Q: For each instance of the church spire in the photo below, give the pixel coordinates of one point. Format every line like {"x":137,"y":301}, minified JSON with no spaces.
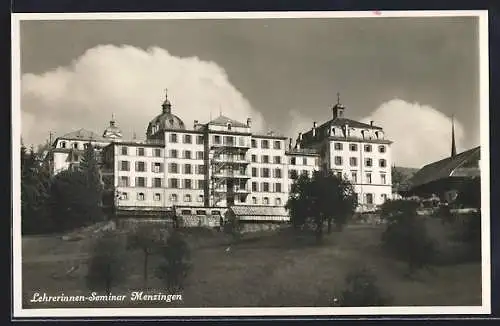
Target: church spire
{"x":453,"y":146}
{"x":167,"y":106}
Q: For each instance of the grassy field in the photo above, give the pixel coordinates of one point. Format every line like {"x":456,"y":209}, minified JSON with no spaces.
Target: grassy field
{"x":263,"y":271}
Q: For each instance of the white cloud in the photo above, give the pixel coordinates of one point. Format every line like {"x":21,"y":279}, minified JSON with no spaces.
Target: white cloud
{"x":130,"y":83}
{"x":421,"y":133}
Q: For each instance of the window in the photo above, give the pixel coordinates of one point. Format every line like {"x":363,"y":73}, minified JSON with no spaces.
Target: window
{"x":266,"y":201}
{"x":75,"y":145}
{"x":293,"y":161}
{"x":174,"y":183}
{"x":368,"y":162}
{"x":173,"y":168}
{"x":124,"y":166}
{"x":339,"y":175}
{"x":278,"y":201}
{"x":157,"y":182}
{"x":157,"y":167}
{"x":265,"y":173}
{"x":383,"y":197}
{"x":124,"y":196}
{"x":187,"y":198}
{"x":217,"y":139}
{"x":140,"y":182}
{"x":277,"y":187}
{"x":201,"y":168}
{"x":305,"y":172}
{"x":254,"y":143}
{"x":140,"y":196}
{"x":157,"y":197}
{"x":186,"y":212}
{"x":265,"y":158}
{"x":140,"y":166}
{"x":157,"y":152}
{"x":140,"y":151}
{"x":229,"y":140}
{"x":292,"y":174}
{"x":277,"y":173}
{"x":265,"y":186}
{"x":201,"y":184}
{"x":354,"y":177}
{"x":123,"y":182}
{"x":368,"y":178}
{"x":338,"y":146}
{"x":124,"y":149}
{"x":173,"y":153}
{"x":369,"y":199}
{"x":304,"y":161}
{"x":254,"y":158}
{"x":242,"y":198}
{"x":277,"y":144}
{"x":382,"y":163}
{"x":63,"y":145}
{"x":353,"y":161}
{"x":187,"y":154}
{"x":187,"y":169}
{"x":353,"y":147}
{"x":254,"y":172}
{"x":383,"y":179}
{"x":338,"y":160}
{"x":368,"y":148}
{"x":187,"y":139}
{"x":201,"y":212}
{"x":199,"y":155}
{"x":254,"y":187}
{"x":173,"y":138}
{"x":187,"y":183}
{"x":381,"y":149}
{"x":199,"y":140}
{"x":85,"y":146}
{"x":264,"y":144}
{"x":277,"y":160}
{"x":229,"y":126}
{"x":173,"y":198}
{"x":254,"y":200}
{"x":200,"y":198}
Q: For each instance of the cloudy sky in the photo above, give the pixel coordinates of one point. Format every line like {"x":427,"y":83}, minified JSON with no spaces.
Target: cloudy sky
{"x":409,"y":75}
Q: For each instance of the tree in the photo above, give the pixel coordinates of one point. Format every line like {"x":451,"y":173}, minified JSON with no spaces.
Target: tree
{"x":176,"y":263}
{"x":322,"y":198}
{"x":147,"y":238}
{"x":406,"y":235}
{"x":469,"y":194}
{"x":362,"y":290}
{"x":35,"y":183}
{"x":106,"y":265}
{"x":397,"y":176}
{"x":90,"y":168}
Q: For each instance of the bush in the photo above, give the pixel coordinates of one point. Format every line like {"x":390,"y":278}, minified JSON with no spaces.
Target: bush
{"x":362,"y":290}
{"x":470,"y":234}
{"x":406,"y":236}
{"x":106,"y":265}
{"x":176,"y":263}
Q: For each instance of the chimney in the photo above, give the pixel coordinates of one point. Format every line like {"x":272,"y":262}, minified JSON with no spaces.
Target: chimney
{"x":195,"y":123}
{"x":371,"y":123}
{"x":290,"y":145}
{"x":299,"y":140}
{"x":249,"y":122}
{"x":314,"y":129}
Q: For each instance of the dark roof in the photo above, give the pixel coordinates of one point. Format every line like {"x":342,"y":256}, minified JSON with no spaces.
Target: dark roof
{"x":223,"y":121}
{"x":83,"y":134}
{"x":352,"y":123}
{"x":444,"y":168}
{"x":302,"y":151}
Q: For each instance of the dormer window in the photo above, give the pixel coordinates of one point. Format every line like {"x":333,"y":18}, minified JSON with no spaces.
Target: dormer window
{"x":75,"y":145}
{"x":376,"y":134}
{"x":63,"y":144}
{"x":229,"y":126}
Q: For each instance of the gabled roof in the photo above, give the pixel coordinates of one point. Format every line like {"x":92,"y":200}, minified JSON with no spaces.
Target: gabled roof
{"x":223,"y":121}
{"x":84,"y":134}
{"x":258,"y":211}
{"x":352,"y":123}
{"x":443,"y":168}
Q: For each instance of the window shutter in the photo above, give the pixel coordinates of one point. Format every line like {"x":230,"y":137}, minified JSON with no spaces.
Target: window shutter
{"x":161,"y":167}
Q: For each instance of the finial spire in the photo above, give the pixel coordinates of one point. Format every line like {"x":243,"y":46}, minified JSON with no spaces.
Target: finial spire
{"x":453,"y":145}
{"x":166,"y":104}
{"x":338,"y":98}
{"x":166,"y":93}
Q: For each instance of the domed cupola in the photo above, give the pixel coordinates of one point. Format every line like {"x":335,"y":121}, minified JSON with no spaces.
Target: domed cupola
{"x":112,"y":131}
{"x":165,"y":121}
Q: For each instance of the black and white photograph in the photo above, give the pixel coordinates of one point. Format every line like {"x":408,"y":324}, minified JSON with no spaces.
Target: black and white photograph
{"x":229,"y":164}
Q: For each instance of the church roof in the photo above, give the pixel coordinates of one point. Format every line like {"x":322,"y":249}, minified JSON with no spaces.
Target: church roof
{"x":83,"y":134}
{"x":445,"y":168}
{"x":223,"y":121}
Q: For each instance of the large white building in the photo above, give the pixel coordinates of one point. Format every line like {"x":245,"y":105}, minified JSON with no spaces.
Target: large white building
{"x":211,"y":166}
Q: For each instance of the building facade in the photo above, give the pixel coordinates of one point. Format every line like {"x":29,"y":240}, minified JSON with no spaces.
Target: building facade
{"x":222,"y":163}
